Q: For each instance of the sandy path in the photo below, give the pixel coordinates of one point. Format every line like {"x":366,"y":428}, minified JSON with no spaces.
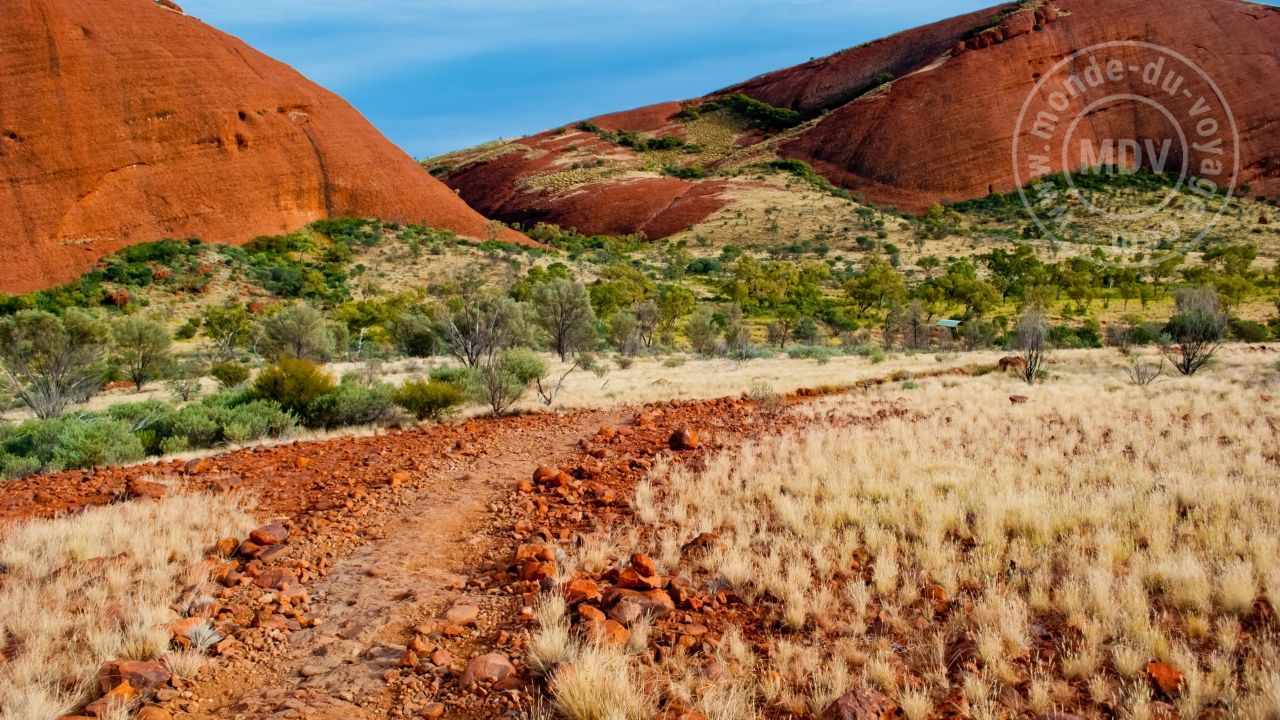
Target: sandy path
{"x":374,"y":595}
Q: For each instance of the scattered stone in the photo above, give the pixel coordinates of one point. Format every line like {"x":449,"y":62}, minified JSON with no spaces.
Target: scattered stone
{"x":492,"y":667}
{"x":1019,"y":399}
{"x":143,"y":676}
{"x":272,"y":534}
{"x":684,"y":439}
{"x":858,"y":704}
{"x":408,"y":661}
{"x":644,"y":565}
{"x":463,"y":614}
{"x":140,"y":489}
{"x":432,"y":711}
{"x":581,"y":590}
{"x":151,"y":712}
{"x":1166,"y":677}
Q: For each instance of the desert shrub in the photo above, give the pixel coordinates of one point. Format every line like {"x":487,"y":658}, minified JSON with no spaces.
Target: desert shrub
{"x":69,"y":443}
{"x":463,"y":378}
{"x":1249,"y":331}
{"x":353,"y":403}
{"x":294,"y":384}
{"x":812,"y":352}
{"x":429,"y":399}
{"x":229,"y":374}
{"x":1195,"y":332}
{"x":685,"y":172}
{"x":705,"y":266}
{"x":503,"y":382}
{"x":299,"y":331}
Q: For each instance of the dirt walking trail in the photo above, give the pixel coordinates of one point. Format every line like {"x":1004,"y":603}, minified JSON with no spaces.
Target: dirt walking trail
{"x":413,"y":568}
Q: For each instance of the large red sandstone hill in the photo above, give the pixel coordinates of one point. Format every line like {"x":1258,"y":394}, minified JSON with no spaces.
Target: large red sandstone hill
{"x":123,"y":121}
{"x":942,"y":130}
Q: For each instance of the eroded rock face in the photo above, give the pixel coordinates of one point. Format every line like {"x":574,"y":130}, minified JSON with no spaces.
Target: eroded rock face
{"x":893,"y":148}
{"x":943,"y":128}
{"x":124,"y":121}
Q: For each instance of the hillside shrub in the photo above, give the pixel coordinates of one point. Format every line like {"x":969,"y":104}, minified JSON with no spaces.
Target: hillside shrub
{"x":295,"y":385}
{"x":353,"y":403}
{"x":67,"y":443}
{"x":229,"y":374}
{"x":1249,"y":331}
{"x":429,"y":399}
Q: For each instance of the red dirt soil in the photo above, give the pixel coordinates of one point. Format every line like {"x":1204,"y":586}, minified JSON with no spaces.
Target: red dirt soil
{"x":387,"y":533}
{"x":944,"y":128}
{"x":124,"y":121}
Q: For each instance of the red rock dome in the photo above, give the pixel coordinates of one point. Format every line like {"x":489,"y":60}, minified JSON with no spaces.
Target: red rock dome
{"x":125,"y":121}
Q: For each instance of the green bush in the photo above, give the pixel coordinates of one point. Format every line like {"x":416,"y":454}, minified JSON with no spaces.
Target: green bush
{"x":353,"y":403}
{"x":68,"y":443}
{"x":1249,"y":331}
{"x":429,"y":399}
{"x":823,"y":355}
{"x":229,"y":374}
{"x":463,"y":378}
{"x":294,"y":384}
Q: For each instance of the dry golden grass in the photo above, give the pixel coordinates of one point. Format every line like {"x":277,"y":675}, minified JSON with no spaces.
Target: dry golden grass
{"x":1075,"y":538}
{"x":97,"y":586}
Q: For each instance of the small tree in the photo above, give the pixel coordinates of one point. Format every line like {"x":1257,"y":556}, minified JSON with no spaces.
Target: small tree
{"x":504,"y":381}
{"x":1033,"y":341}
{"x":702,"y":331}
{"x":228,"y":329}
{"x":1194,"y":333}
{"x":299,"y":331}
{"x":48,"y":362}
{"x":564,"y":313}
{"x":480,"y":329}
{"x":143,"y":349}
{"x":624,"y":334}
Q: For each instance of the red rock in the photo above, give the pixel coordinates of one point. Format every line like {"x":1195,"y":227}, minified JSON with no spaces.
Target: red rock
{"x":608,"y":633}
{"x":1165,"y":677}
{"x":152,"y":712}
{"x":977,"y":81}
{"x":442,"y":658}
{"x":276,"y":578}
{"x":859,"y":704}
{"x":531,"y":571}
{"x":684,"y":439}
{"x":700,"y":544}
{"x":198,"y":466}
{"x":225,"y":144}
{"x":656,"y":603}
{"x":581,"y":590}
{"x":545,"y":474}
{"x":644,"y":565}
{"x":182,"y":629}
{"x":143,"y":676}
{"x":433,"y":711}
{"x":226,"y":547}
{"x":400,"y":478}
{"x":119,"y":695}
{"x":272,"y":534}
{"x":1019,"y":399}
{"x":633,"y":580}
{"x":145,"y":490}
{"x":408,"y":661}
{"x":590,"y":613}
{"x":489,"y":668}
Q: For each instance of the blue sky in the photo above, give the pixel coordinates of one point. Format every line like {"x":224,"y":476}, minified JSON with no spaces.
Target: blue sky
{"x":440,"y":75}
